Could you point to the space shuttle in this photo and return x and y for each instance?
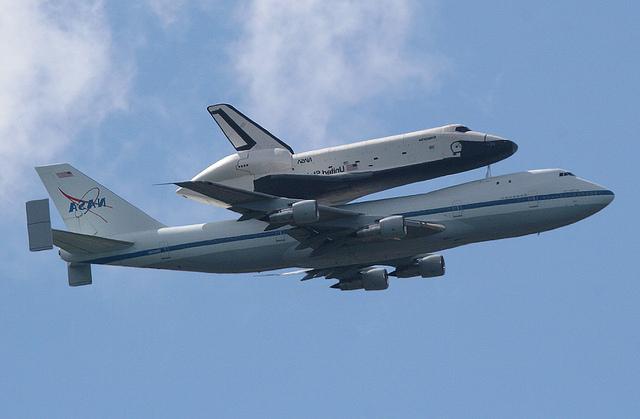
(336, 175)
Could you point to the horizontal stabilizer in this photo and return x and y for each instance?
(84, 243)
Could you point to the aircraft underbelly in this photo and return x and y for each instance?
(278, 250)
(231, 260)
(338, 189)
(264, 255)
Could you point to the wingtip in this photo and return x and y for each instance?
(217, 105)
(166, 183)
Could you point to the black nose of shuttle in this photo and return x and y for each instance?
(491, 150)
(505, 148)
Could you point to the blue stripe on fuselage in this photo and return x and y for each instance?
(506, 202)
(263, 234)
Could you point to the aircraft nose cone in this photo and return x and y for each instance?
(501, 147)
(608, 197)
(506, 147)
(601, 197)
(484, 150)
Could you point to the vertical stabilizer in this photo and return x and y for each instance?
(87, 207)
(243, 133)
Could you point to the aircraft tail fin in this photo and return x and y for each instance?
(242, 132)
(87, 207)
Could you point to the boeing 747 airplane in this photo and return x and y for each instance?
(354, 243)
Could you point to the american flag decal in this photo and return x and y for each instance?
(350, 167)
(64, 174)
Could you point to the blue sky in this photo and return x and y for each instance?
(540, 326)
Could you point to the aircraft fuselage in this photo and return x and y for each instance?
(343, 173)
(489, 209)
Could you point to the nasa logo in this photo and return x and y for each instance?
(305, 160)
(88, 203)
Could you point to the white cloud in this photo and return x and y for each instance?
(304, 62)
(57, 77)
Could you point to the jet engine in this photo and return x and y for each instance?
(431, 266)
(427, 267)
(301, 212)
(375, 279)
(392, 227)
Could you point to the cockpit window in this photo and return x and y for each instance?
(462, 128)
(566, 174)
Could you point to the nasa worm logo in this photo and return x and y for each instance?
(88, 203)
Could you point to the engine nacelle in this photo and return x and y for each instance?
(426, 267)
(301, 212)
(375, 279)
(431, 266)
(392, 227)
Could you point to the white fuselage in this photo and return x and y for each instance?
(493, 208)
(388, 162)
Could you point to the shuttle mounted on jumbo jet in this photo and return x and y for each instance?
(345, 242)
(340, 174)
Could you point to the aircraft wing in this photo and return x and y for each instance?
(316, 226)
(256, 204)
(344, 273)
(349, 277)
(352, 277)
(236, 199)
(341, 273)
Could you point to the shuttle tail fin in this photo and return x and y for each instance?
(87, 207)
(242, 132)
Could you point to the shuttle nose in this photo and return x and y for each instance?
(507, 146)
(492, 149)
(483, 149)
